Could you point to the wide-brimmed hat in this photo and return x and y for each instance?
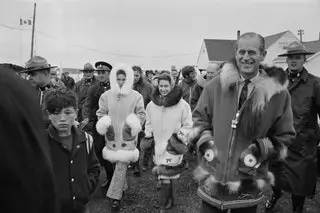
(102, 65)
(37, 63)
(88, 67)
(296, 48)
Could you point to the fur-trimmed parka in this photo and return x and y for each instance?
(164, 117)
(227, 134)
(121, 115)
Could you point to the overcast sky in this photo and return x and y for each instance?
(150, 33)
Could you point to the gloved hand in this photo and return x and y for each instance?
(208, 150)
(177, 145)
(252, 157)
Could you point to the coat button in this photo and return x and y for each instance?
(78, 146)
(74, 197)
(71, 161)
(72, 179)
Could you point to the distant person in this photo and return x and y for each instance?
(149, 75)
(202, 79)
(55, 79)
(67, 80)
(38, 71)
(76, 167)
(174, 74)
(188, 82)
(82, 86)
(27, 181)
(90, 118)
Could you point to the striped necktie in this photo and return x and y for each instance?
(244, 93)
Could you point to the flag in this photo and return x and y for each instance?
(25, 21)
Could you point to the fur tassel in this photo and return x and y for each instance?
(134, 122)
(261, 184)
(125, 156)
(200, 173)
(211, 184)
(103, 124)
(234, 186)
(271, 178)
(283, 152)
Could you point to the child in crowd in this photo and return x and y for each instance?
(76, 167)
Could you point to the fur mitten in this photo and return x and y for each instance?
(176, 145)
(131, 128)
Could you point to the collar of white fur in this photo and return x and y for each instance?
(273, 80)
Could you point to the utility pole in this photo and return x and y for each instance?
(33, 27)
(300, 33)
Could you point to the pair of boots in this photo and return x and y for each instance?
(297, 202)
(166, 200)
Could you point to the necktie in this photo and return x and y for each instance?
(244, 93)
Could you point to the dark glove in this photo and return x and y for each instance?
(176, 146)
(252, 157)
(208, 150)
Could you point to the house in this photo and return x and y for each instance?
(217, 51)
(313, 61)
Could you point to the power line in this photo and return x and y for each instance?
(98, 50)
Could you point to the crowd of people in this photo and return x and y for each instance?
(251, 126)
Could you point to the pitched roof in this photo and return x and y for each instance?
(271, 39)
(312, 46)
(223, 50)
(219, 50)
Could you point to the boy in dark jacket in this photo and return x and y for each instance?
(76, 167)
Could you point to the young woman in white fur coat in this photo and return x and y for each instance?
(121, 114)
(168, 120)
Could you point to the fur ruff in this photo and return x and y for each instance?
(171, 99)
(103, 124)
(283, 151)
(134, 123)
(127, 86)
(124, 156)
(212, 184)
(274, 80)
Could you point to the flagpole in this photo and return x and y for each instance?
(20, 42)
(33, 27)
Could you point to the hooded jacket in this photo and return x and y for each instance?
(166, 116)
(266, 117)
(121, 115)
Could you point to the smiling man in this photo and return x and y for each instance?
(245, 119)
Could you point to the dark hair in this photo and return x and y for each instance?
(165, 77)
(252, 35)
(137, 68)
(58, 99)
(121, 72)
(187, 70)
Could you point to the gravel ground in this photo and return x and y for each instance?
(142, 193)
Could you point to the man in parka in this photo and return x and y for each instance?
(82, 86)
(188, 82)
(299, 171)
(244, 118)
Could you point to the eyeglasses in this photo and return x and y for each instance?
(296, 57)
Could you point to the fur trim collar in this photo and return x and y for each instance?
(169, 100)
(273, 81)
(127, 87)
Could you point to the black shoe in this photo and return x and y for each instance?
(115, 205)
(169, 203)
(271, 203)
(136, 171)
